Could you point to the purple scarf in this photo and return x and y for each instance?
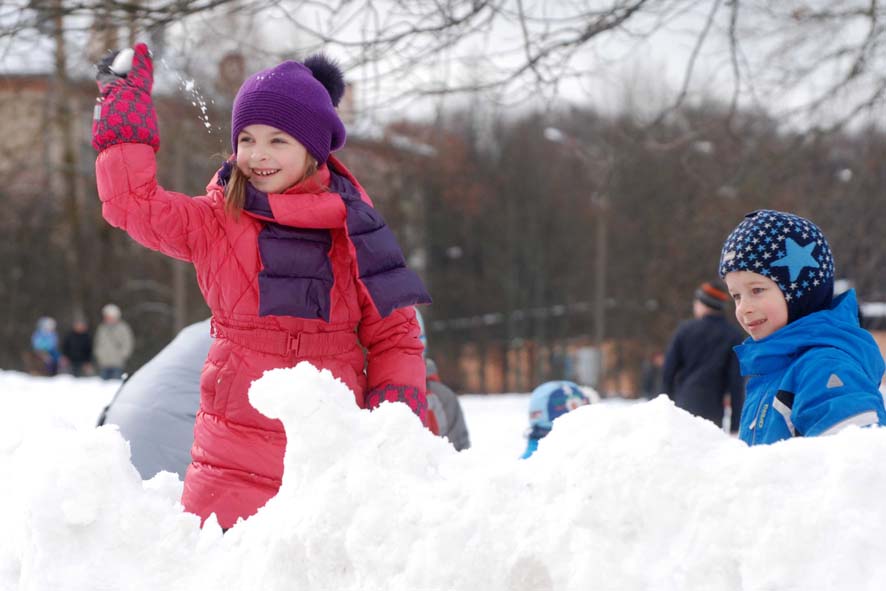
(296, 279)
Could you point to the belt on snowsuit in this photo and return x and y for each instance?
(284, 343)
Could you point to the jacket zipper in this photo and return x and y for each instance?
(753, 426)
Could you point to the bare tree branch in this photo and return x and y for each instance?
(799, 58)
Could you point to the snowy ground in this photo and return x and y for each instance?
(496, 423)
(619, 497)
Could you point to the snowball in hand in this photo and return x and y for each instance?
(123, 62)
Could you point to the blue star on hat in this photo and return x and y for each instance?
(797, 258)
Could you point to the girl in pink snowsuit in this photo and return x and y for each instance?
(291, 257)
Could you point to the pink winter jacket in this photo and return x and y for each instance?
(237, 457)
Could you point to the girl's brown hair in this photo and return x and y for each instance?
(235, 190)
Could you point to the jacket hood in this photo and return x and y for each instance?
(836, 327)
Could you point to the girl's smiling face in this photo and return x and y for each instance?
(272, 159)
(760, 306)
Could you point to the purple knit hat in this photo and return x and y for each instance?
(299, 99)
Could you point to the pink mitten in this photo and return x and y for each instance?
(410, 395)
(125, 113)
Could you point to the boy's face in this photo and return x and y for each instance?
(760, 306)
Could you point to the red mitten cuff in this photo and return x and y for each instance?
(410, 395)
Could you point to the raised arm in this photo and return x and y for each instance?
(125, 134)
(132, 200)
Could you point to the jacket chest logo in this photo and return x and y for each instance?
(762, 418)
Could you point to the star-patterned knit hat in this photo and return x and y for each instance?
(790, 250)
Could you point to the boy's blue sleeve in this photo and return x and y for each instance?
(832, 392)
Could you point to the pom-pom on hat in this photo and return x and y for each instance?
(551, 400)
(713, 294)
(297, 98)
(790, 250)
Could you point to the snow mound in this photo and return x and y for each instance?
(619, 497)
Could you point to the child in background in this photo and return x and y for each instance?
(547, 402)
(44, 344)
(291, 257)
(445, 415)
(813, 370)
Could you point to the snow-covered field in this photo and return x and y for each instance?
(619, 497)
(496, 423)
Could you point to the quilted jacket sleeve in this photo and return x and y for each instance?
(132, 200)
(396, 369)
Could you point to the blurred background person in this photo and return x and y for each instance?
(700, 367)
(113, 343)
(547, 402)
(77, 349)
(445, 416)
(651, 375)
(448, 415)
(44, 346)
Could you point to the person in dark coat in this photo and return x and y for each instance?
(77, 349)
(650, 375)
(700, 367)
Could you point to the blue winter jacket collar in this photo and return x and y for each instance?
(837, 327)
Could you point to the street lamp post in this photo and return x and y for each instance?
(600, 203)
(600, 277)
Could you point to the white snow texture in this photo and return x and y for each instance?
(618, 497)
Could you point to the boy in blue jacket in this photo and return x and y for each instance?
(813, 370)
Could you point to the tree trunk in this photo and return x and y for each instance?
(67, 180)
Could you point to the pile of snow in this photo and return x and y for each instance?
(618, 497)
